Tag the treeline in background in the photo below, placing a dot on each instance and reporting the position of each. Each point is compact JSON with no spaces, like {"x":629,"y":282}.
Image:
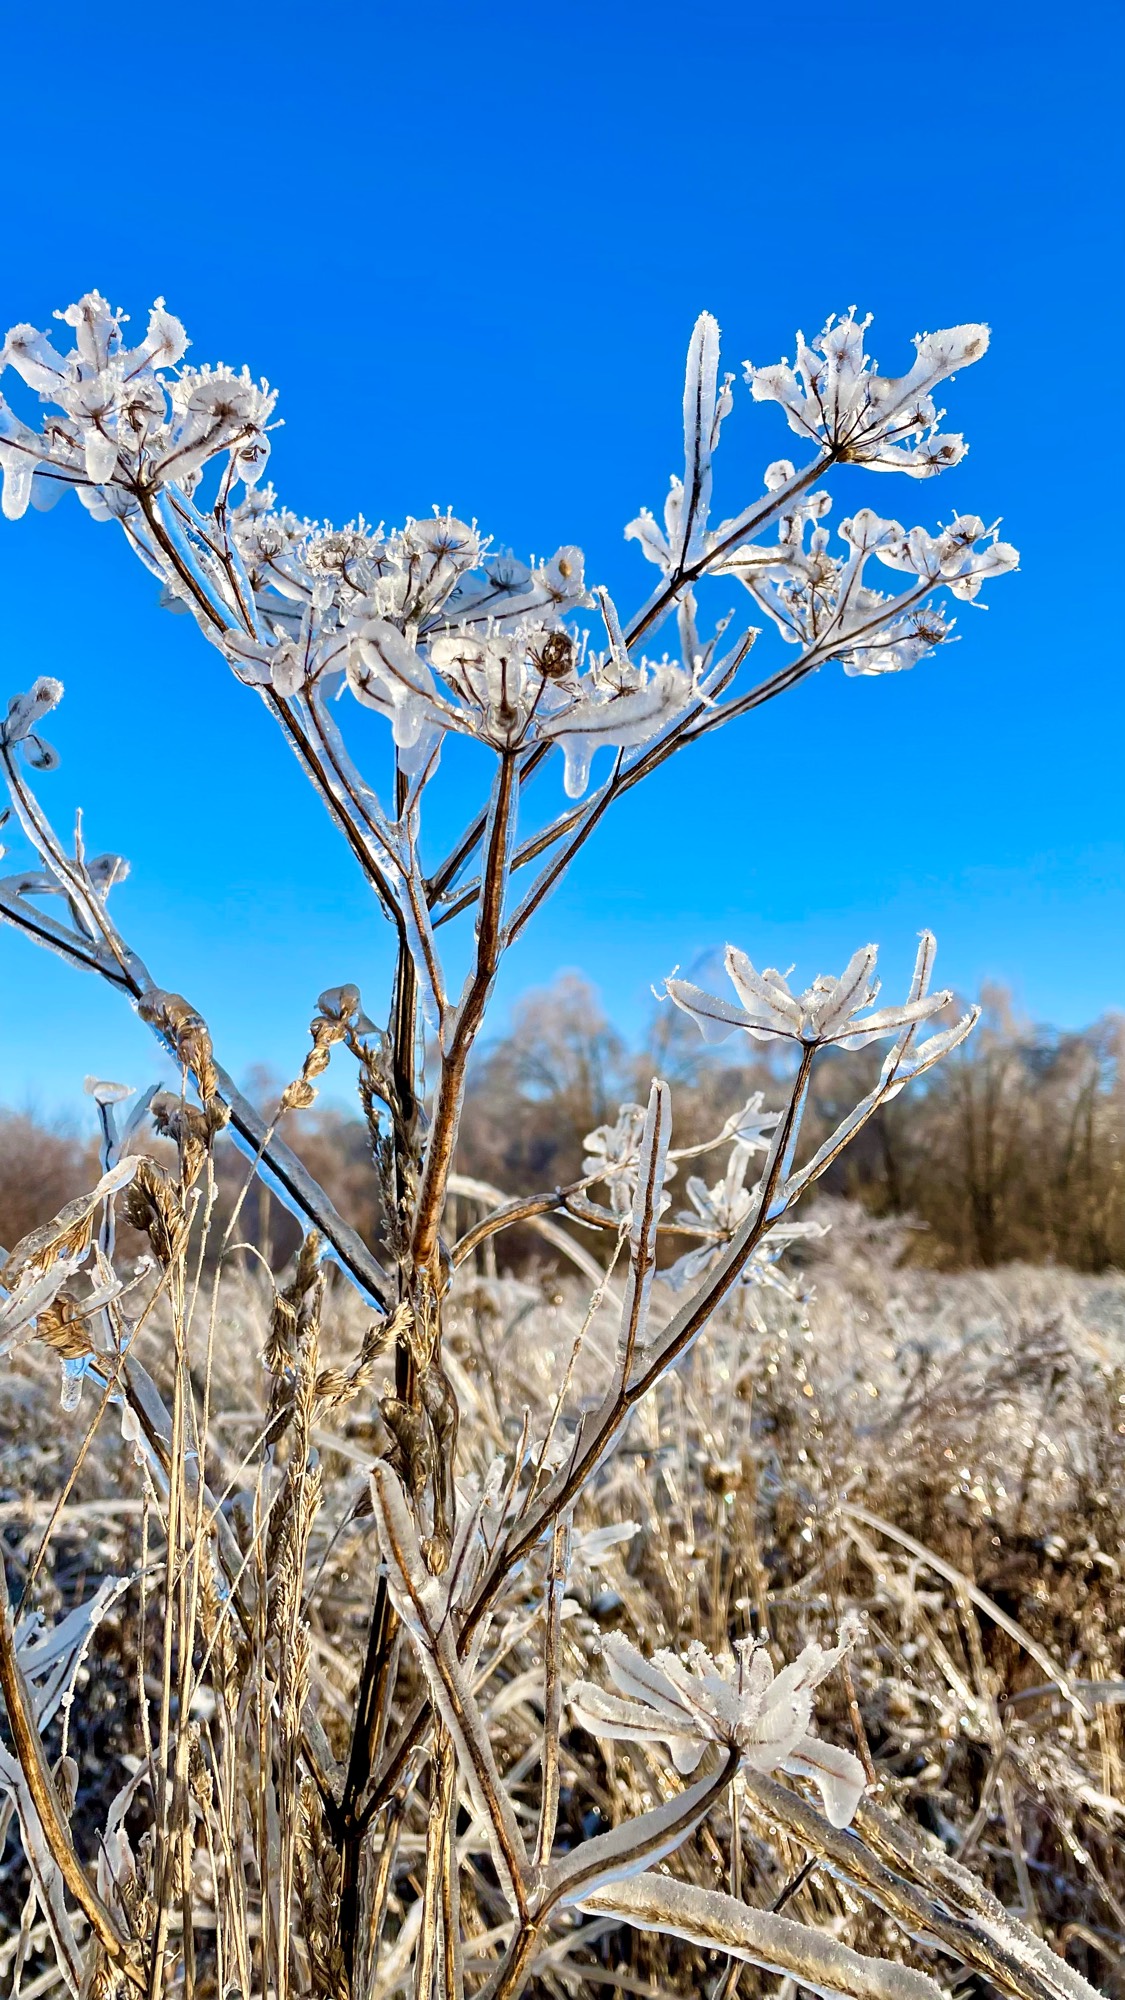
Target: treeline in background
{"x":1013,"y":1150}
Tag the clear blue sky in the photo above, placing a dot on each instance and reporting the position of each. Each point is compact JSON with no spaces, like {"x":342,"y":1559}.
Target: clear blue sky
{"x":468,"y":244}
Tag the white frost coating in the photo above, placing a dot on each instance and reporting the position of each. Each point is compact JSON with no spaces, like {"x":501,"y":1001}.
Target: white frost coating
{"x":626,"y":1849}
{"x":718,"y":1922}
{"x":34,"y":1273}
{"x":45,"y":1873}
{"x":688,"y":505}
{"x":438,"y":631}
{"x":823,"y":602}
{"x":511,"y":688}
{"x":690,"y":1701}
{"x":49,"y":1657}
{"x":116,"y":1862}
{"x":836,"y":395}
{"x":613,"y":1153}
{"x":25,"y":711}
{"x":906,"y":1060}
{"x":830,"y":1011}
{"x":717,"y":1212}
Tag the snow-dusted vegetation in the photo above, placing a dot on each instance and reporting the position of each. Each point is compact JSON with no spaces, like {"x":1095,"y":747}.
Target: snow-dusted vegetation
{"x":436,"y":1662}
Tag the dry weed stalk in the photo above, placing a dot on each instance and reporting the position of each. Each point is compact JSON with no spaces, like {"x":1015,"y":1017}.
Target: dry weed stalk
{"x":309,"y":1814}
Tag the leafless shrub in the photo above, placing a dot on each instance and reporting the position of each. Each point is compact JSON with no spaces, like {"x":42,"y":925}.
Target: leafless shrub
{"x":40,"y":1167}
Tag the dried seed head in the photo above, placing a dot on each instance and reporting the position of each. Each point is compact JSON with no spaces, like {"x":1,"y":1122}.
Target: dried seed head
{"x":279,"y":1563}
{"x":326,"y":1028}
{"x":61,"y":1327}
{"x":297,"y":1096}
{"x":153,"y":1206}
{"x":67,"y":1234}
{"x":187,"y":1034}
{"x":65,"y":1776}
{"x":339,"y":1002}
{"x":105,"y":1981}
{"x":376,"y":1341}
{"x":296,"y":1309}
{"x":318,"y":1886}
{"x":281,"y":1346}
{"x":215,"y":1625}
{"x":191,"y":1129}
{"x":297,"y":1677}
{"x":333,"y":1386}
{"x":199,"y":1772}
{"x":413,"y":1453}
{"x":307,"y":1273}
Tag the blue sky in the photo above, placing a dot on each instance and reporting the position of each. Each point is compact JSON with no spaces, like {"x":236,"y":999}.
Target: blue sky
{"x":469,"y":245}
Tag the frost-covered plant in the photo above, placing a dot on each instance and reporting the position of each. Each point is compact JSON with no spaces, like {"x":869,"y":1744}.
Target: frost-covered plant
{"x":690,"y":1702}
{"x":439,"y":633}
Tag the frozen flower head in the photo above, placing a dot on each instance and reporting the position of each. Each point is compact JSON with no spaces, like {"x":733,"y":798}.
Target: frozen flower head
{"x":443,"y":539}
{"x":264,"y":533}
{"x":592,"y":1548}
{"x":509,"y":689}
{"x":123,"y":426}
{"x":835,"y":395}
{"x":962,"y":556}
{"x":218,"y":410}
{"x":723,"y":1206}
{"x":356,"y":572}
{"x":613,"y":1154}
{"x":822,"y":601}
{"x":691,"y":1701}
{"x":717,"y":1210}
{"x":25,"y":712}
{"x":828,"y":1011}
{"x":105,"y":1093}
{"x":500,"y":679}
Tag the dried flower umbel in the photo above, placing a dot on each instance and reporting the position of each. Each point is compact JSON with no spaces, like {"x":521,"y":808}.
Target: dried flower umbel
{"x":694,"y":1701}
{"x":434,"y":630}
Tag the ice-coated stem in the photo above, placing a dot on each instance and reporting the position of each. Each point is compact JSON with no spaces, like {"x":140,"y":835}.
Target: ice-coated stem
{"x":450,"y":1092}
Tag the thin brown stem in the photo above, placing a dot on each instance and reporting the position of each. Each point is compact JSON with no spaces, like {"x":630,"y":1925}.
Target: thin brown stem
{"x":377,"y":1677}
{"x":451,"y":1086}
{"x":516,"y":1211}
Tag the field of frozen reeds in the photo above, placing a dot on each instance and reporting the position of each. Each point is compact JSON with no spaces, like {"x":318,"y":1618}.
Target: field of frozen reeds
{"x":940,"y":1454}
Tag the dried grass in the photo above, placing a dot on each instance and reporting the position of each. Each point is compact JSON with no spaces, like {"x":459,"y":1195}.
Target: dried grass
{"x":941,"y":1453}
